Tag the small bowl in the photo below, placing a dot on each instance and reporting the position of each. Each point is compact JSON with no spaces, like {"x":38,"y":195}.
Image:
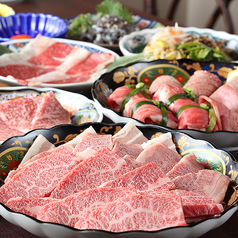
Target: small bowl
{"x":32,"y":24}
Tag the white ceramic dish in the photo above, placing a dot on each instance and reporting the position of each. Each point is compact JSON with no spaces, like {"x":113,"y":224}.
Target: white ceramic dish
{"x":16,"y":45}
{"x":136,"y":41}
{"x":83,"y":109}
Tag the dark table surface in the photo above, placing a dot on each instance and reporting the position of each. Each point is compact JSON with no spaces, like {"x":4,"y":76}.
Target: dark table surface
{"x":71,"y":8}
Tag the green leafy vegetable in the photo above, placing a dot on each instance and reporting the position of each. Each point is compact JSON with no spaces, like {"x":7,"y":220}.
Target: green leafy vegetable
{"x":4,"y":49}
{"x":114,"y":8}
{"x":79,"y":26}
{"x":200,"y":51}
{"x":125,"y":60}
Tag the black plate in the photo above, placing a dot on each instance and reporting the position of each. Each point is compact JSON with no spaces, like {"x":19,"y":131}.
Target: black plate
{"x":16,"y":147}
{"x":147,"y":71}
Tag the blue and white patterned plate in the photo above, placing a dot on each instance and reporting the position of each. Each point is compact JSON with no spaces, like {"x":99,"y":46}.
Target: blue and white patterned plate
{"x":17,"y":45}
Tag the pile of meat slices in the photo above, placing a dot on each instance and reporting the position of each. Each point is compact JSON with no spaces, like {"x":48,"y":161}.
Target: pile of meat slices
{"x":116,"y":183}
{"x":21,"y":115}
{"x":44,"y":60}
{"x":223,"y":99}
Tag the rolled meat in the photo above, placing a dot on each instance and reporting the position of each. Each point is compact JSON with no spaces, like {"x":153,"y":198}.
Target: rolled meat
{"x":144,"y":110}
{"x":116,"y":98}
{"x":226,"y":119}
{"x":187,"y":111}
{"x":164,"y":79}
{"x":203,"y":83}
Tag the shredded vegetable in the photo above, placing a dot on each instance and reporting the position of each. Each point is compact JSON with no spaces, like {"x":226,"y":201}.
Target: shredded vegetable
{"x":172,"y":43}
{"x":163,"y":45}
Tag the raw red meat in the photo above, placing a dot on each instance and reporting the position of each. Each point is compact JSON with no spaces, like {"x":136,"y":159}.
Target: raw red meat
{"x":18,"y":114}
{"x":164,"y":79}
{"x":68,"y":210}
{"x":53,"y":56}
{"x":228,"y":96}
{"x":195,"y":204}
{"x":131,"y":161}
{"x":143,"y":178}
{"x":122,"y":149}
{"x":50,"y":113}
{"x":203,"y":82}
{"x":166,"y":91}
{"x":7,"y":132}
{"x":115,"y":99}
{"x":136,"y":212}
{"x":226,"y":119}
{"x":188,"y":164}
{"x":94,"y":141}
{"x":44,"y":60}
{"x":161,"y":155}
{"x":28,"y":206}
{"x":148,"y":113}
{"x":39,"y":178}
{"x":103,"y":166}
{"x":207,"y":182}
{"x":130,"y":134}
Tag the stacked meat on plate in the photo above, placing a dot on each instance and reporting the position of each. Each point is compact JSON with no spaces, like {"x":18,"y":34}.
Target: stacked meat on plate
{"x":116,"y":183}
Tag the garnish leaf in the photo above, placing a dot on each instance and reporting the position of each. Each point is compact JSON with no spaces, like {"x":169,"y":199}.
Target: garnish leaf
{"x":114,"y":8}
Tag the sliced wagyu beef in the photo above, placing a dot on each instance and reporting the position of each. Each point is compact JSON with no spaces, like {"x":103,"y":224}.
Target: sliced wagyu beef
{"x":188,"y":164}
{"x":161,"y":155}
{"x":103,"y":166}
{"x":143,"y":178}
{"x":39,"y":178}
{"x":195,"y":204}
{"x":123,"y":149}
{"x":130,"y":134}
{"x":68,"y":210}
{"x":50,"y":113}
{"x":94,"y":141}
{"x":135,"y":212}
{"x":29,"y":206}
{"x":207,"y":182}
{"x":203,"y":82}
{"x":18,"y":114}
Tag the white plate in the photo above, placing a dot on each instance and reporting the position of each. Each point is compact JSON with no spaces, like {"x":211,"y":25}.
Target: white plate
{"x":16,"y":45}
{"x":83,"y":109}
{"x":139,"y":39}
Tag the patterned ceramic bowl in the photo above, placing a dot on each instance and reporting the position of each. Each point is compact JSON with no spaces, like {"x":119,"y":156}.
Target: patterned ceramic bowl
{"x":219,"y":160}
{"x":32,"y":24}
{"x":146,"y":72}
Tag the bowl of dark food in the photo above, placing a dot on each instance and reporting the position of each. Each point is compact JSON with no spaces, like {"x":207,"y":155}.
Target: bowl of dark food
{"x":27,"y":108}
{"x":29,"y":25}
{"x":184,"y":95}
{"x":181,"y":42}
{"x":111,"y":22}
{"x":101,"y":161}
{"x":53,"y":62}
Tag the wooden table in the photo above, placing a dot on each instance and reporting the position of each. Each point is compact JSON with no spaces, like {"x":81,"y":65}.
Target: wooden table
{"x":71,"y":8}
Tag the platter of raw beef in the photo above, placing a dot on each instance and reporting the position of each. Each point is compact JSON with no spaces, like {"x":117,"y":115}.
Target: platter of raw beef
{"x":53,"y":62}
{"x":184,"y":95}
{"x":105,"y":180}
{"x":23,"y":109}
